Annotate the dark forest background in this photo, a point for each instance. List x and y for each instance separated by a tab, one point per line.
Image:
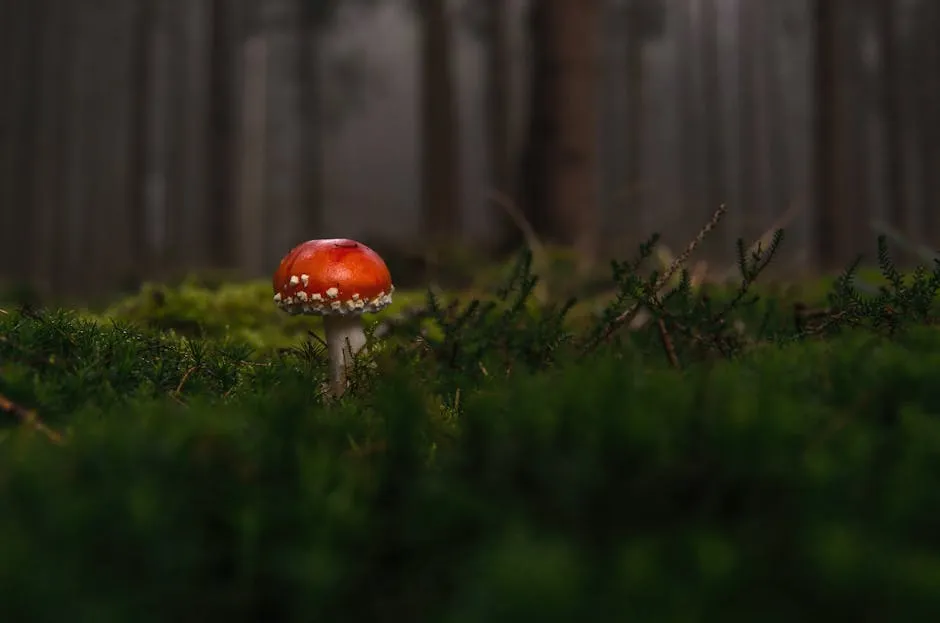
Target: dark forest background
146	139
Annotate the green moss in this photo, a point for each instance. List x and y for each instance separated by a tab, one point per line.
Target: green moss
240	311
610	487
495	469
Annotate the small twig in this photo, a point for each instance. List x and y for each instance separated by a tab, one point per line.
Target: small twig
627	316
365	450
520	221
317	338
693	244
30	418
802	315
667	344
764	239
923	252
186	375
539	254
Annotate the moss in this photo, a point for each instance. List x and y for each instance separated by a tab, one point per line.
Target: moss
494	469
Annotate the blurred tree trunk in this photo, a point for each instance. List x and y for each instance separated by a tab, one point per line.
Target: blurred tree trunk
8	56
194	124
635	24
160	185
691	121
887	26
560	159
51	149
637	30
716	189
440	164
138	152
250	213
763	210
833	213
858	99
108	250
76	215
927	59
311	131
748	159
284	170
218	227
498	91
22	125
777	122
175	112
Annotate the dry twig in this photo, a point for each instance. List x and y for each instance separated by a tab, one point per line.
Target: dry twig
30	418
186	375
667	344
627	316
539	255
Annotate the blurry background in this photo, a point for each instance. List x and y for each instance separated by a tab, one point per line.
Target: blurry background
147	139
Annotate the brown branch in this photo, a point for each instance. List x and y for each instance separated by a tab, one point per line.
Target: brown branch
540	258
667	344
627	316
186	375
317	338
30	418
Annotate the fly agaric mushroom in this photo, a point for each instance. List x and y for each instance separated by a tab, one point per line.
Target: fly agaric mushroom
338	279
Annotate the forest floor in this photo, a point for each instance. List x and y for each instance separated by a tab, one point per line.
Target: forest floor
666	449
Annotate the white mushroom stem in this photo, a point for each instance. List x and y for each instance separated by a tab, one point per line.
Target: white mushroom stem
344	338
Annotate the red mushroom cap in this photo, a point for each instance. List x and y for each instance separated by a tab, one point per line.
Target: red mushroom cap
333	276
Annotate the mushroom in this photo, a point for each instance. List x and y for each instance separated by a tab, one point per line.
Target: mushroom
339	279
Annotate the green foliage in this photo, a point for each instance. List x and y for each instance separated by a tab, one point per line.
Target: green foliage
244	312
900	303
489	338
492	462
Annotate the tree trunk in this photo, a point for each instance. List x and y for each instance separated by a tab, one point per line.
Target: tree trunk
560	162
284	170
48	257
776	118
311	114
928	59
250	213
218	227
8	75
107	247
894	151
137	147
716	190
856	99
76	215
23	126
690	121
635	38
833	239
440	164
173	112
192	252
497	103
748	161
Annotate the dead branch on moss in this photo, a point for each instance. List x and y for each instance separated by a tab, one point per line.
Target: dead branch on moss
179	388
540	257
668	346
30	418
627	316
